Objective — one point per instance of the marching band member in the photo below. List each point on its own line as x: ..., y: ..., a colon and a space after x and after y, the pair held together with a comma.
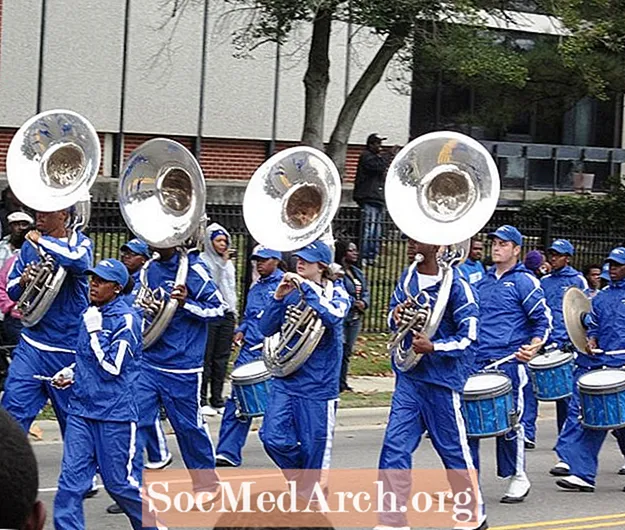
x: 49, y: 345
x: 428, y: 396
x: 234, y: 430
x: 102, y: 409
x: 514, y: 316
x: 472, y: 269
x: 171, y: 373
x: 298, y: 427
x: 134, y: 254
x: 555, y: 284
x: 578, y: 448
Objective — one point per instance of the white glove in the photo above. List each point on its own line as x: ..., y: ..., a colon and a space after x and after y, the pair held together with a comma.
x: 93, y: 319
x: 63, y: 378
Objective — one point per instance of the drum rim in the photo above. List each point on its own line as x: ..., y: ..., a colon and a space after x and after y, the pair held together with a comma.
x: 569, y: 358
x: 250, y: 379
x: 596, y: 391
x: 498, y: 391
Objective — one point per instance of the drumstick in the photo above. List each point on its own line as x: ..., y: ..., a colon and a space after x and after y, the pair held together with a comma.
x: 500, y: 361
x: 43, y: 377
x: 599, y: 351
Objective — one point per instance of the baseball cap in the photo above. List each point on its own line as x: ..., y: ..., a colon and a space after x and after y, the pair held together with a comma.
x: 375, y: 137
x: 533, y: 260
x: 617, y: 255
x: 507, y: 233
x: 16, y: 217
x: 111, y: 270
x: 266, y: 253
x: 562, y: 246
x: 316, y: 252
x: 138, y: 247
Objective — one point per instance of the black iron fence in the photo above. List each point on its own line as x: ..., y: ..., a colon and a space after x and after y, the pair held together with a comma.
x: 592, y: 243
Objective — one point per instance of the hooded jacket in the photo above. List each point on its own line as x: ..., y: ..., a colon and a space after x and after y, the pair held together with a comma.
x: 318, y: 377
x: 107, y: 366
x: 446, y: 366
x: 222, y: 270
x: 182, y: 344
x: 606, y: 323
x: 58, y: 329
x: 513, y: 310
x: 555, y: 285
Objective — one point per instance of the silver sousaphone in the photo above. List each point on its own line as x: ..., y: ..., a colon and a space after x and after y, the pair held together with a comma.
x: 441, y: 189
x: 290, y: 202
x: 52, y: 162
x: 162, y: 197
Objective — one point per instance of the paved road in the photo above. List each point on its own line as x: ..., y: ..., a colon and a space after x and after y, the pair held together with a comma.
x: 358, y: 446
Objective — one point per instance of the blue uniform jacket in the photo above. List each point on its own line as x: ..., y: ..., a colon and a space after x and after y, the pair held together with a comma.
x: 58, y: 329
x: 350, y: 287
x: 318, y: 377
x: 472, y: 271
x: 555, y: 285
x: 182, y: 344
x: 606, y: 323
x: 446, y: 366
x: 107, y: 366
x: 130, y: 298
x: 258, y: 297
x: 513, y: 310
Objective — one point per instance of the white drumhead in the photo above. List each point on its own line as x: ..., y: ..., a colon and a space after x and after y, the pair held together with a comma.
x: 249, y: 370
x: 602, y: 378
x: 554, y: 358
x: 480, y: 382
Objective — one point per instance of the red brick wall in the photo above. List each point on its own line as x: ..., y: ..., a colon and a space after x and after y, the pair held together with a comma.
x: 5, y: 139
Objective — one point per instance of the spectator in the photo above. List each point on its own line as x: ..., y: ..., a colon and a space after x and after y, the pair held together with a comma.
x: 217, y: 256
x: 369, y: 194
x: 472, y: 269
x: 19, y: 479
x: 10, y: 204
x: 592, y: 273
x: 19, y: 223
x: 358, y: 290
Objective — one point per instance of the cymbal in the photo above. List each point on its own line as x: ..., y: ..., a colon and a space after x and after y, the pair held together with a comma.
x: 575, y: 306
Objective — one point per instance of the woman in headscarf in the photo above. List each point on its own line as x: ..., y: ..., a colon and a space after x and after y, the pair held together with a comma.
x: 217, y: 256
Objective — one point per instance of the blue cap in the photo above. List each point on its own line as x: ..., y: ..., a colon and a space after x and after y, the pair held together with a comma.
x: 111, y: 270
x: 316, y: 252
x: 617, y: 255
x: 562, y: 246
x: 605, y: 271
x: 138, y: 247
x: 507, y: 233
x: 266, y: 253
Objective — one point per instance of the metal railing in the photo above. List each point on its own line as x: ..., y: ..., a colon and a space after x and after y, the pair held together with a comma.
x: 592, y: 244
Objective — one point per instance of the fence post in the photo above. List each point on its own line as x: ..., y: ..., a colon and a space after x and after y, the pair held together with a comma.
x: 547, y: 230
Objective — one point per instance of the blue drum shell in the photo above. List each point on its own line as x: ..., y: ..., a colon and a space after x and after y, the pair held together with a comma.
x: 603, y: 411
x: 554, y: 383
x: 252, y: 398
x: 488, y: 417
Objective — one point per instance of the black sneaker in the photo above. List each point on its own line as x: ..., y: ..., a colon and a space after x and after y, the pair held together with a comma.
x: 114, y: 509
x: 529, y: 445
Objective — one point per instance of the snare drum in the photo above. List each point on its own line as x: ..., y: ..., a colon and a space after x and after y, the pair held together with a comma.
x: 602, y: 397
x: 552, y: 375
x: 487, y: 405
x: 251, y: 384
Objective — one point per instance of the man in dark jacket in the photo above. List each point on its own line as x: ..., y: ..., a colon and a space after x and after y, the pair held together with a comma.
x: 369, y: 194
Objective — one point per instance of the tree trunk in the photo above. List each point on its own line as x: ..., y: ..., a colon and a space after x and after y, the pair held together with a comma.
x: 337, y: 148
x: 317, y: 78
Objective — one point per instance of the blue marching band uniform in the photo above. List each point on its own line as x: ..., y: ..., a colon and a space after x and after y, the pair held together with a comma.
x: 110, y: 414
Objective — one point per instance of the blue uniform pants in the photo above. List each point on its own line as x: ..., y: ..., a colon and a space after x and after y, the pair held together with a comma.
x: 531, y: 412
x: 579, y: 447
x: 297, y: 432
x: 108, y: 446
x: 511, y: 446
x: 418, y: 407
x: 179, y: 393
x: 24, y: 396
x: 156, y: 442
